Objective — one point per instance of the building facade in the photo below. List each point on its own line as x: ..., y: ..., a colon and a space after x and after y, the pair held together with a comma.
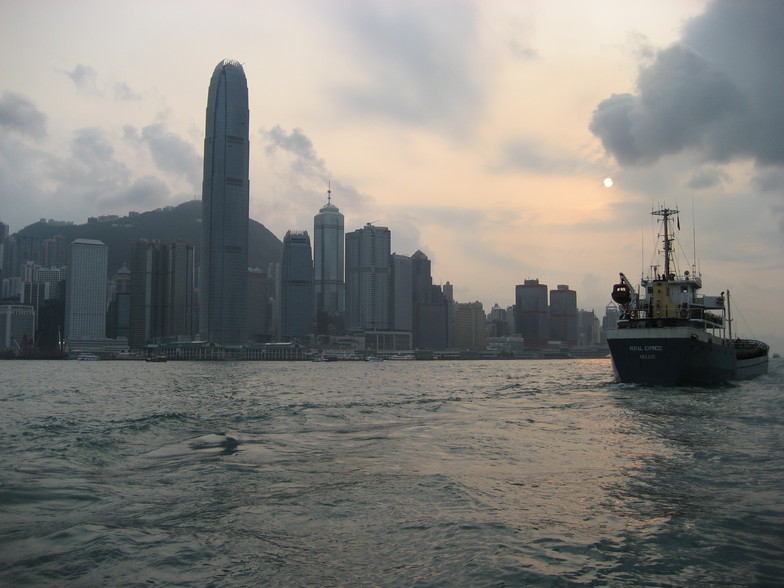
x: 296, y: 296
x: 531, y: 313
x: 328, y: 264
x: 16, y: 327
x: 225, y: 200
x: 368, y: 279
x: 470, y: 326
x: 85, y: 298
x: 563, y: 315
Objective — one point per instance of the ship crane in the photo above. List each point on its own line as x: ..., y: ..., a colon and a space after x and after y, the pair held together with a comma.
x: 625, y: 295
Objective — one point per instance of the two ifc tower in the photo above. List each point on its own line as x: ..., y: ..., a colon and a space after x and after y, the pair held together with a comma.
x: 225, y: 203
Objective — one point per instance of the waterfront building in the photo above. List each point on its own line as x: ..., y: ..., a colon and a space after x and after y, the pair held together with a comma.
x: 531, y: 313
x: 225, y: 200
x: 402, y: 289
x: 470, y: 326
x: 328, y: 260
x: 563, y: 315
x: 178, y: 301
x: 433, y: 310
x: 368, y: 279
x: 85, y: 299
x: 261, y: 287
x: 296, y: 299
x: 161, y: 295
x: 17, y: 327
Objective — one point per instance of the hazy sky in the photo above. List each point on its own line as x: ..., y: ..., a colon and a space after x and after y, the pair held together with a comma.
x: 479, y: 132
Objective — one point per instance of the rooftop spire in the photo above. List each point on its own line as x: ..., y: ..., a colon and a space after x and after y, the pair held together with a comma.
x: 329, y: 191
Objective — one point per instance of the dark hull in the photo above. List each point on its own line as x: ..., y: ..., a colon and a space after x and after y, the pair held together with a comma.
x: 671, y: 357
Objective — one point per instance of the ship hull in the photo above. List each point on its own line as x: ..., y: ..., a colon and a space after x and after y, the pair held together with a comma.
x: 670, y: 356
x: 747, y: 369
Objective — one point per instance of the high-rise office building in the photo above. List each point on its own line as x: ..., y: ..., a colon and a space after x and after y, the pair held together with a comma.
x: 225, y: 199
x: 368, y: 279
x: 328, y: 258
x: 433, y: 311
x: 470, y: 326
x: 147, y: 293
x: 178, y: 304
x: 85, y: 298
x: 531, y: 313
x: 563, y: 315
x: 161, y: 295
x: 402, y: 293
x: 296, y: 297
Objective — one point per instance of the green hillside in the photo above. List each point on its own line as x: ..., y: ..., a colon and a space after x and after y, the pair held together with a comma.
x: 165, y: 225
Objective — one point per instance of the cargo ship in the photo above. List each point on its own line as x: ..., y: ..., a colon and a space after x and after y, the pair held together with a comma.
x: 668, y: 334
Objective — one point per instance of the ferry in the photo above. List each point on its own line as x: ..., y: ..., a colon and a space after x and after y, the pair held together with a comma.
x: 668, y: 334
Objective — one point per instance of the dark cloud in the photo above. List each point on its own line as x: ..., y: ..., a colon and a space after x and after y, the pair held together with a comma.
x: 419, y: 59
x: 172, y: 153
x: 707, y: 178
x: 716, y: 92
x: 146, y: 191
x: 20, y: 115
x: 297, y: 144
x: 770, y: 180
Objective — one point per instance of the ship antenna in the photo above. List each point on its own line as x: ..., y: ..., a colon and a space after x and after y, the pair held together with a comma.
x: 693, y: 236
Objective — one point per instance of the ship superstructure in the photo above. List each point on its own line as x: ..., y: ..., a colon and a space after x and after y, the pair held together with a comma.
x: 670, y: 334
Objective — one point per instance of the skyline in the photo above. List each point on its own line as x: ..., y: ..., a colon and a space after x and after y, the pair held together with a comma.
x: 479, y: 133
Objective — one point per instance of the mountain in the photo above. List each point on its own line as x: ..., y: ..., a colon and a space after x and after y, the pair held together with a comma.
x: 165, y: 225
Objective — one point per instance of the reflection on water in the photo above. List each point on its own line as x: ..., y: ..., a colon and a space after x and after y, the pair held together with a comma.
x: 515, y: 472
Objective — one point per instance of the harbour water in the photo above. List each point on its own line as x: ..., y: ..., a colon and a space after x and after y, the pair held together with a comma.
x: 472, y: 473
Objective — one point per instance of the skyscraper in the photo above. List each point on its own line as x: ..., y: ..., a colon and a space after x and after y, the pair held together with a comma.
x: 433, y: 311
x: 296, y: 297
x: 225, y: 201
x: 368, y: 279
x: 161, y: 298
x: 328, y: 240
x: 563, y: 315
x: 531, y: 313
x: 85, y: 299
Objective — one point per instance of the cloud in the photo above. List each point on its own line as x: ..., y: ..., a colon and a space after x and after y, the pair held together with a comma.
x: 85, y: 78
x: 297, y: 144
x: 19, y: 114
x: 528, y: 154
x: 707, y: 178
x: 123, y: 91
x: 523, y: 52
x: 171, y: 153
x: 715, y: 92
x: 419, y: 62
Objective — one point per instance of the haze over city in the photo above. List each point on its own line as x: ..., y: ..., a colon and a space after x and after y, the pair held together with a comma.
x: 480, y: 133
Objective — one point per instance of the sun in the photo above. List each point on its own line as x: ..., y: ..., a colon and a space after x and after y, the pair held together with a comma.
x: 608, y: 182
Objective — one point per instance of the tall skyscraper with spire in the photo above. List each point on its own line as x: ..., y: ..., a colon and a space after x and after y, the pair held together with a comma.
x: 328, y: 243
x: 225, y: 201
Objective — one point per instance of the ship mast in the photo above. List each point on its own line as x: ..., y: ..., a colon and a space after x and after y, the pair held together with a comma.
x: 666, y: 213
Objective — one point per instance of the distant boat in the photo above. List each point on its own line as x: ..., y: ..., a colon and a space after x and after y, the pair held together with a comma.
x: 157, y: 359
x: 669, y: 335
x: 87, y: 357
x: 402, y: 357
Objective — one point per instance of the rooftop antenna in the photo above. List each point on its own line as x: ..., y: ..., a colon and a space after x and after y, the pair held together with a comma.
x: 329, y: 191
